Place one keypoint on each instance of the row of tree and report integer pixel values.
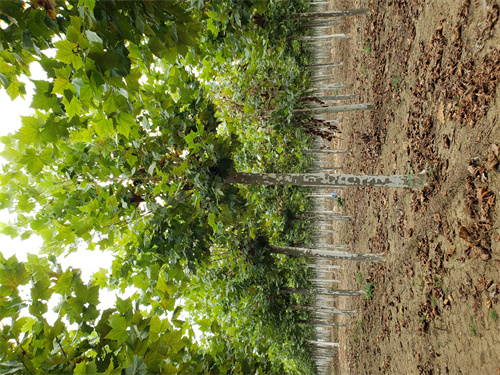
(151, 118)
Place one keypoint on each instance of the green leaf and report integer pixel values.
(124, 122)
(4, 80)
(90, 4)
(74, 107)
(190, 141)
(119, 328)
(13, 274)
(34, 161)
(66, 55)
(211, 221)
(85, 368)
(42, 99)
(173, 339)
(104, 127)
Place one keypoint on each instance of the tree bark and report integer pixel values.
(324, 344)
(325, 310)
(325, 65)
(327, 180)
(331, 98)
(324, 323)
(320, 151)
(320, 37)
(331, 14)
(336, 109)
(323, 292)
(327, 254)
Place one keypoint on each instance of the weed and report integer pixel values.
(395, 82)
(355, 339)
(493, 315)
(473, 330)
(434, 301)
(422, 318)
(369, 288)
(437, 282)
(359, 278)
(363, 68)
(340, 202)
(421, 286)
(360, 323)
(367, 48)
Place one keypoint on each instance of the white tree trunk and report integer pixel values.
(321, 266)
(328, 254)
(325, 65)
(324, 344)
(331, 98)
(326, 310)
(323, 151)
(331, 14)
(323, 292)
(325, 180)
(336, 109)
(321, 37)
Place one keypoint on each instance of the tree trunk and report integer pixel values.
(325, 65)
(336, 109)
(326, 310)
(335, 86)
(320, 151)
(324, 344)
(323, 292)
(324, 281)
(324, 323)
(323, 218)
(331, 98)
(327, 180)
(331, 14)
(320, 37)
(322, 266)
(327, 254)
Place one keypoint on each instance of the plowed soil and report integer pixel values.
(432, 71)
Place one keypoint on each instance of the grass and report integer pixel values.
(367, 48)
(359, 278)
(493, 315)
(395, 83)
(341, 202)
(363, 68)
(473, 330)
(368, 288)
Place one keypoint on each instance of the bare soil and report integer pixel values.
(431, 69)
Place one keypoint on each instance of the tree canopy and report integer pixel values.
(146, 108)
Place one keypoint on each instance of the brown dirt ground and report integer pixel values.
(432, 71)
